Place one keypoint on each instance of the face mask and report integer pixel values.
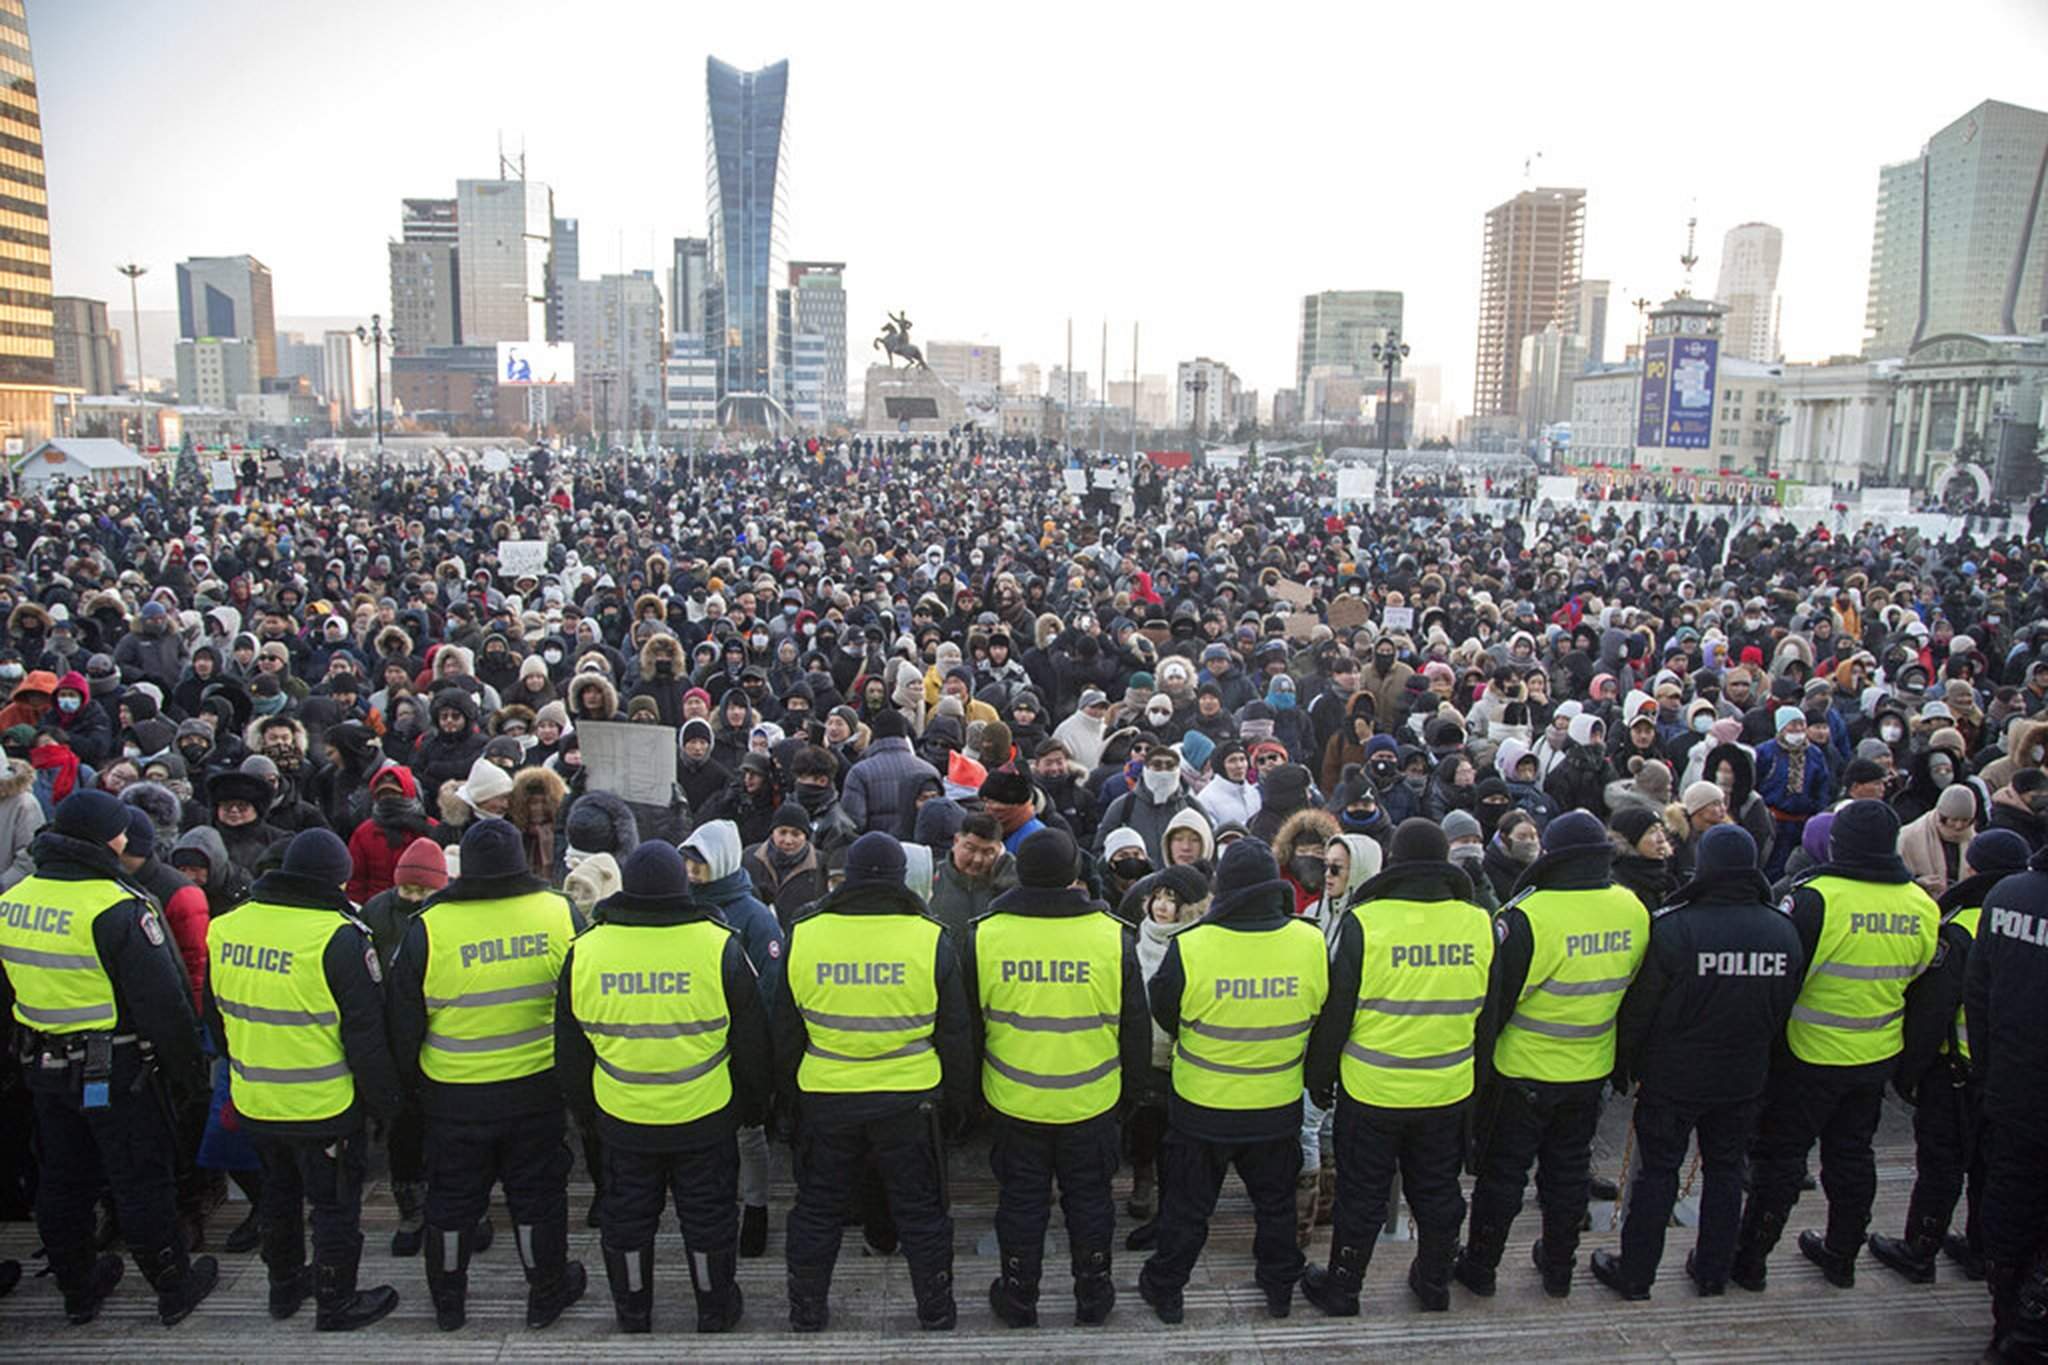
(1383, 773)
(1161, 785)
(1524, 850)
(1356, 821)
(1383, 664)
(1468, 853)
(1890, 734)
(1280, 700)
(1795, 741)
(1308, 872)
(1702, 723)
(1416, 784)
(1941, 776)
(68, 705)
(813, 799)
(1132, 869)
(268, 706)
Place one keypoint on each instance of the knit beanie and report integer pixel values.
(1957, 802)
(318, 855)
(655, 869)
(1653, 780)
(92, 815)
(1723, 849)
(1460, 824)
(1700, 795)
(486, 781)
(1633, 823)
(491, 847)
(1785, 717)
(1047, 860)
(422, 864)
(889, 723)
(875, 859)
(141, 833)
(789, 815)
(1417, 840)
(1995, 850)
(1007, 788)
(1574, 829)
(1865, 832)
(1246, 863)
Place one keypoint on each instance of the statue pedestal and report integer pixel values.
(903, 398)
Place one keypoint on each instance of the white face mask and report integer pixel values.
(1891, 734)
(1161, 785)
(1795, 741)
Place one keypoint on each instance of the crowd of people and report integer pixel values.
(1222, 827)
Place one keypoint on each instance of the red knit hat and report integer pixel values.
(422, 864)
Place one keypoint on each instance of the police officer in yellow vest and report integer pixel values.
(661, 1036)
(1407, 983)
(872, 1058)
(293, 991)
(473, 1027)
(1569, 942)
(1060, 1020)
(1935, 1074)
(95, 994)
(1239, 993)
(1869, 932)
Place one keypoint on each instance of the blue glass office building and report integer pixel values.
(745, 173)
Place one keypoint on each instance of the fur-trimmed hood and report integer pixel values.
(537, 796)
(662, 646)
(1308, 827)
(603, 684)
(26, 611)
(393, 643)
(252, 734)
(508, 713)
(19, 777)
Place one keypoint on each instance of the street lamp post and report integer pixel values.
(377, 336)
(135, 272)
(1198, 387)
(1389, 354)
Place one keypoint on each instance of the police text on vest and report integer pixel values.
(255, 956)
(504, 949)
(860, 974)
(1432, 955)
(1884, 924)
(1743, 964)
(1051, 971)
(1257, 987)
(2020, 925)
(41, 919)
(1589, 945)
(643, 983)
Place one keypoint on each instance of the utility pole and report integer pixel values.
(377, 336)
(135, 272)
(1389, 353)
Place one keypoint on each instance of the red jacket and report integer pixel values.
(370, 849)
(187, 915)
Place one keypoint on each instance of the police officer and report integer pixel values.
(1696, 1032)
(1935, 1075)
(660, 1031)
(1239, 993)
(101, 1004)
(2006, 1003)
(1407, 984)
(873, 1057)
(1059, 1011)
(1868, 932)
(1569, 943)
(293, 991)
(473, 1022)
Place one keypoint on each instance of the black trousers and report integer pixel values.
(526, 1152)
(829, 1160)
(1026, 1158)
(1546, 1124)
(1191, 1175)
(2015, 1217)
(406, 1143)
(1664, 1129)
(703, 1181)
(1948, 1156)
(127, 1147)
(1427, 1147)
(1838, 1105)
(326, 1173)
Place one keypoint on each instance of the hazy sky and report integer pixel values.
(994, 171)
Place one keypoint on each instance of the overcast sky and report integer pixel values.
(996, 171)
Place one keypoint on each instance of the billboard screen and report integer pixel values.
(1656, 388)
(1689, 414)
(536, 362)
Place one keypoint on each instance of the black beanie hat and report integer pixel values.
(1723, 849)
(875, 859)
(492, 848)
(1864, 832)
(1574, 829)
(1632, 823)
(318, 855)
(92, 815)
(889, 723)
(141, 833)
(1047, 859)
(1246, 863)
(1007, 788)
(1417, 840)
(1285, 786)
(653, 869)
(789, 815)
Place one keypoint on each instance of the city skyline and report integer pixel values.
(889, 125)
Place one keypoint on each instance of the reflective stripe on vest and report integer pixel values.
(1421, 985)
(1249, 1000)
(267, 965)
(492, 967)
(1875, 937)
(867, 988)
(47, 946)
(1050, 991)
(1586, 947)
(1967, 919)
(659, 1035)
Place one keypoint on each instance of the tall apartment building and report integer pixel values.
(1528, 279)
(1591, 324)
(1339, 327)
(746, 200)
(689, 275)
(229, 296)
(504, 238)
(565, 262)
(88, 355)
(969, 364)
(813, 323)
(28, 348)
(1748, 284)
(426, 293)
(614, 321)
(1215, 386)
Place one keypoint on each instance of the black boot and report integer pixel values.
(448, 1255)
(1968, 1259)
(715, 1277)
(754, 1230)
(632, 1279)
(1913, 1255)
(1707, 1289)
(1013, 1295)
(1557, 1275)
(1335, 1290)
(86, 1283)
(247, 1234)
(1759, 1233)
(1480, 1258)
(182, 1282)
(411, 1197)
(1143, 1237)
(10, 1276)
(1838, 1266)
(485, 1234)
(553, 1281)
(1094, 1293)
(289, 1292)
(936, 1311)
(339, 1305)
(810, 1308)
(1166, 1303)
(1429, 1274)
(1607, 1269)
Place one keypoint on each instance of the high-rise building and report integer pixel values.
(298, 358)
(214, 371)
(614, 322)
(1591, 323)
(504, 236)
(28, 360)
(229, 296)
(1549, 361)
(1961, 238)
(426, 296)
(965, 364)
(688, 275)
(815, 307)
(746, 199)
(565, 262)
(1340, 326)
(88, 354)
(1213, 385)
(1029, 383)
(1057, 389)
(347, 374)
(1748, 284)
(1528, 279)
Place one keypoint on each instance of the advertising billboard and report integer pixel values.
(1689, 412)
(1656, 391)
(536, 362)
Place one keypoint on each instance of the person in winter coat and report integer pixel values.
(455, 742)
(1642, 855)
(1283, 790)
(184, 904)
(701, 776)
(87, 730)
(1793, 779)
(1934, 846)
(1230, 795)
(786, 868)
(203, 858)
(973, 872)
(1151, 806)
(1516, 843)
(287, 812)
(21, 818)
(1579, 781)
(240, 802)
(152, 652)
(1348, 745)
(1173, 900)
(879, 788)
(596, 823)
(1298, 849)
(534, 810)
(664, 676)
(396, 818)
(340, 788)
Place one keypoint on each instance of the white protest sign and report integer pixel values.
(518, 558)
(1398, 618)
(1355, 485)
(1558, 489)
(1076, 480)
(222, 476)
(633, 762)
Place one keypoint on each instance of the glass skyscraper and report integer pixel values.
(28, 332)
(746, 165)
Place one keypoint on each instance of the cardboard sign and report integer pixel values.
(518, 558)
(1158, 635)
(1076, 481)
(1348, 612)
(633, 762)
(1398, 618)
(1296, 595)
(221, 476)
(1301, 625)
